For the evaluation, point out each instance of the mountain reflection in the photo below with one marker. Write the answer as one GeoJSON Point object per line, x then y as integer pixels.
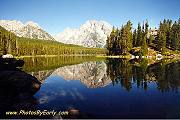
{"type": "Point", "coordinates": [92, 74]}
{"type": "Point", "coordinates": [42, 75]}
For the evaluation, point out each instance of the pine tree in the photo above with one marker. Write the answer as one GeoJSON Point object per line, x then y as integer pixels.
{"type": "Point", "coordinates": [110, 42]}
{"type": "Point", "coordinates": [113, 39]}
{"type": "Point", "coordinates": [109, 45]}
{"type": "Point", "coordinates": [144, 46]}
{"type": "Point", "coordinates": [146, 28]}
{"type": "Point", "coordinates": [162, 37]}
{"type": "Point", "coordinates": [126, 38]}
{"type": "Point", "coordinates": [123, 42]}
{"type": "Point", "coordinates": [168, 33]}
{"type": "Point", "coordinates": [116, 42]}
{"type": "Point", "coordinates": [175, 36]}
{"type": "Point", "coordinates": [129, 35]}
{"type": "Point", "coordinates": [134, 38]}
{"type": "Point", "coordinates": [1, 44]}
{"type": "Point", "coordinates": [139, 35]}
{"type": "Point", "coordinates": [151, 38]}
{"type": "Point", "coordinates": [4, 42]}
{"type": "Point", "coordinates": [144, 41]}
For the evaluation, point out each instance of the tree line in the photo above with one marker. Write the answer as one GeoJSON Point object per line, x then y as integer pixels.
{"type": "Point", "coordinates": [168, 35]}
{"type": "Point", "coordinates": [7, 42]}
{"type": "Point", "coordinates": [19, 46]}
{"type": "Point", "coordinates": [122, 40]}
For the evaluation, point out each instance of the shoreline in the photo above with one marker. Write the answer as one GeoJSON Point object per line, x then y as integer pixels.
{"type": "Point", "coordinates": [177, 56]}
{"type": "Point", "coordinates": [28, 56]}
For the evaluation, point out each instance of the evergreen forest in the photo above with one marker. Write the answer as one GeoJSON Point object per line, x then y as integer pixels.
{"type": "Point", "coordinates": [122, 40]}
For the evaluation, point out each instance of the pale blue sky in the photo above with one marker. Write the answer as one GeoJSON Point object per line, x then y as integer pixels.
{"type": "Point", "coordinates": [55, 15]}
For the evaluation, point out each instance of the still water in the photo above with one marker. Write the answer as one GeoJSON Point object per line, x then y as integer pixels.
{"type": "Point", "coordinates": [108, 88]}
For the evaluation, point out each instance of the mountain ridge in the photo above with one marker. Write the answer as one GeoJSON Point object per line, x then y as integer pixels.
{"type": "Point", "coordinates": [92, 33]}
{"type": "Point", "coordinates": [29, 29]}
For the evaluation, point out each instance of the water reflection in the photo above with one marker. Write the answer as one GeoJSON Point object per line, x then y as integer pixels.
{"type": "Point", "coordinates": [165, 75]}
{"type": "Point", "coordinates": [35, 64]}
{"type": "Point", "coordinates": [112, 88]}
{"type": "Point", "coordinates": [120, 71]}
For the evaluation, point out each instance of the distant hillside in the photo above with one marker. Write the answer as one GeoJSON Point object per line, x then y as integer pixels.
{"type": "Point", "coordinates": [20, 46]}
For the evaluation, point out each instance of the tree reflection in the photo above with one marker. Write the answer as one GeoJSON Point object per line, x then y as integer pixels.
{"type": "Point", "coordinates": [120, 71]}
{"type": "Point", "coordinates": [164, 74]}
{"type": "Point", "coordinates": [34, 64]}
{"type": "Point", "coordinates": [167, 75]}
{"type": "Point", "coordinates": [140, 74]}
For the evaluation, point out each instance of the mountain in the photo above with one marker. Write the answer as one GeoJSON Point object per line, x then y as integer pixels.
{"type": "Point", "coordinates": [92, 74]}
{"type": "Point", "coordinates": [28, 30]}
{"type": "Point", "coordinates": [91, 34]}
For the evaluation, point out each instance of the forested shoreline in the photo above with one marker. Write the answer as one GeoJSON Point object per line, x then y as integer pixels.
{"type": "Point", "coordinates": [19, 46]}
{"type": "Point", "coordinates": [122, 41]}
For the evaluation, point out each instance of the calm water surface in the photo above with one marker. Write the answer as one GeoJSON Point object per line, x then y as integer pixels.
{"type": "Point", "coordinates": [113, 88]}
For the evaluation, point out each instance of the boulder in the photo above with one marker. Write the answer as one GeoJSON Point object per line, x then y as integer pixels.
{"type": "Point", "coordinates": [18, 82]}
{"type": "Point", "coordinates": [16, 92]}
{"type": "Point", "coordinates": [7, 56]}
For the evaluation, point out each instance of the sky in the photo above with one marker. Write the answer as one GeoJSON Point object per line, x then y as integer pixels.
{"type": "Point", "coordinates": [56, 15]}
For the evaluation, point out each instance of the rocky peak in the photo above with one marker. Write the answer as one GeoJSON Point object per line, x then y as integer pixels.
{"type": "Point", "coordinates": [29, 30]}
{"type": "Point", "coordinates": [32, 24]}
{"type": "Point", "coordinates": [91, 34]}
{"type": "Point", "coordinates": [11, 25]}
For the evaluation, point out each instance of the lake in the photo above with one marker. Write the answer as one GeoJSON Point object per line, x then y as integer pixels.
{"type": "Point", "coordinates": [104, 88]}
